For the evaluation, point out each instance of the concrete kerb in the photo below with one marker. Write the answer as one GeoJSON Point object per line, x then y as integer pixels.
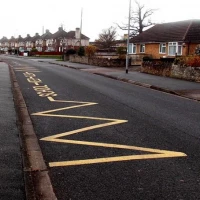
{"type": "Point", "coordinates": [37, 182]}
{"type": "Point", "coordinates": [132, 82]}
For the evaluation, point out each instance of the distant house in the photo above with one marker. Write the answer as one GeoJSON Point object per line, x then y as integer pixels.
{"type": "Point", "coordinates": [167, 40]}
{"type": "Point", "coordinates": [4, 44]}
{"type": "Point", "coordinates": [72, 39]}
{"type": "Point", "coordinates": [47, 41]}
{"type": "Point", "coordinates": [20, 44]}
{"type": "Point", "coordinates": [12, 43]}
{"type": "Point", "coordinates": [76, 38]}
{"type": "Point", "coordinates": [28, 41]}
{"type": "Point", "coordinates": [37, 42]}
{"type": "Point", "coordinates": [58, 42]}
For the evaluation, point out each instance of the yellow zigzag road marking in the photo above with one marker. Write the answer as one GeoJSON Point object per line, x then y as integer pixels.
{"type": "Point", "coordinates": [155, 153]}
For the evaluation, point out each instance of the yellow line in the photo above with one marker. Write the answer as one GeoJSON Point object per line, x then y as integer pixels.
{"type": "Point", "coordinates": [51, 138]}
{"type": "Point", "coordinates": [108, 145]}
{"type": "Point", "coordinates": [77, 117]}
{"type": "Point", "coordinates": [115, 159]}
{"type": "Point", "coordinates": [155, 153]}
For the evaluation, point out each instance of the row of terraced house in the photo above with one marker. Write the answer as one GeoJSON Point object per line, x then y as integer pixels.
{"type": "Point", "coordinates": [47, 42]}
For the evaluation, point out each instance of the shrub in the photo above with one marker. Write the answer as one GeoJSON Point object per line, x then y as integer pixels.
{"type": "Point", "coordinates": [81, 51]}
{"type": "Point", "coordinates": [121, 51]}
{"type": "Point", "coordinates": [193, 61]}
{"type": "Point", "coordinates": [34, 50]}
{"type": "Point", "coordinates": [71, 52]}
{"type": "Point", "coordinates": [90, 50]}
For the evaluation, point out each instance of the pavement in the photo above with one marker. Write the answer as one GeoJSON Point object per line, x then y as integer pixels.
{"type": "Point", "coordinates": [11, 171]}
{"type": "Point", "coordinates": [174, 86]}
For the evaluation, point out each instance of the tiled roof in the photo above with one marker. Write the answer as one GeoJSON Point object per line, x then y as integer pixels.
{"type": "Point", "coordinates": [170, 32]}
{"type": "Point", "coordinates": [193, 34]}
{"type": "Point", "coordinates": [4, 39]}
{"type": "Point", "coordinates": [20, 39]}
{"type": "Point", "coordinates": [28, 38]}
{"type": "Point", "coordinates": [71, 34]}
{"type": "Point", "coordinates": [47, 35]}
{"type": "Point", "coordinates": [12, 39]}
{"type": "Point", "coordinates": [36, 37]}
{"type": "Point", "coordinates": [59, 34]}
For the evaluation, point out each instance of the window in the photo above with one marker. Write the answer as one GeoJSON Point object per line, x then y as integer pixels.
{"type": "Point", "coordinates": [162, 48]}
{"type": "Point", "coordinates": [142, 48]}
{"type": "Point", "coordinates": [175, 47]}
{"type": "Point", "coordinates": [132, 48]}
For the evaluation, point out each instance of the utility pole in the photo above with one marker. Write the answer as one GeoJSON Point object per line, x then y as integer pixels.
{"type": "Point", "coordinates": [127, 54]}
{"type": "Point", "coordinates": [81, 25]}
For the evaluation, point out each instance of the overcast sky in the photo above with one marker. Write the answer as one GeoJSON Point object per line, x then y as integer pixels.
{"type": "Point", "coordinates": [22, 17]}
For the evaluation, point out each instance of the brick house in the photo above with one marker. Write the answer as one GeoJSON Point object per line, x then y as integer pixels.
{"type": "Point", "coordinates": [72, 39]}
{"type": "Point", "coordinates": [12, 44]}
{"type": "Point", "coordinates": [20, 44]}
{"type": "Point", "coordinates": [57, 42]}
{"type": "Point", "coordinates": [47, 41]}
{"type": "Point", "coordinates": [37, 42]}
{"type": "Point", "coordinates": [4, 44]}
{"type": "Point", "coordinates": [28, 42]}
{"type": "Point", "coordinates": [167, 40]}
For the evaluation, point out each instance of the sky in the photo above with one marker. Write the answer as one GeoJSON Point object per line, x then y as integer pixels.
{"type": "Point", "coordinates": [24, 17]}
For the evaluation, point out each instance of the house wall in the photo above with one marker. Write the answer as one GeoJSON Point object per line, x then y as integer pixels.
{"type": "Point", "coordinates": [192, 48]}
{"type": "Point", "coordinates": [153, 50]}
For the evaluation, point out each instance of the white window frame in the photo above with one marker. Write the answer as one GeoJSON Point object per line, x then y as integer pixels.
{"type": "Point", "coordinates": [177, 45]}
{"type": "Point", "coordinates": [162, 46]}
{"type": "Point", "coordinates": [142, 48]}
{"type": "Point", "coordinates": [133, 46]}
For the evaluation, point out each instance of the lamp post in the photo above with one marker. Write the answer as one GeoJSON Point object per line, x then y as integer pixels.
{"type": "Point", "coordinates": [127, 54]}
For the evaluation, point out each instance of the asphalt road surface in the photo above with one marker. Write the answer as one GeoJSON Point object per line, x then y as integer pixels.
{"type": "Point", "coordinates": [108, 140]}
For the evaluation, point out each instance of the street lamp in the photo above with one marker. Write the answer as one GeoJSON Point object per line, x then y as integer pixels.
{"type": "Point", "coordinates": [127, 54]}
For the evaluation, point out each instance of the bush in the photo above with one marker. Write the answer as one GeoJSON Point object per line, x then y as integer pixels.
{"type": "Point", "coordinates": [90, 50]}
{"type": "Point", "coordinates": [81, 51]}
{"type": "Point", "coordinates": [190, 61]}
{"type": "Point", "coordinates": [147, 58]}
{"type": "Point", "coordinates": [121, 51]}
{"type": "Point", "coordinates": [34, 50]}
{"type": "Point", "coordinates": [193, 61]}
{"type": "Point", "coordinates": [71, 52]}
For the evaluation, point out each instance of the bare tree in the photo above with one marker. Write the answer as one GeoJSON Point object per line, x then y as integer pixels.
{"type": "Point", "coordinates": [139, 20]}
{"type": "Point", "coordinates": [106, 38]}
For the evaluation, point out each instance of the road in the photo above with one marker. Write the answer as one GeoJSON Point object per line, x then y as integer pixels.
{"type": "Point", "coordinates": [106, 139]}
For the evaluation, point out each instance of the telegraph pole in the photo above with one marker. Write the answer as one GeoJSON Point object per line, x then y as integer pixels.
{"type": "Point", "coordinates": [127, 54]}
{"type": "Point", "coordinates": [81, 25]}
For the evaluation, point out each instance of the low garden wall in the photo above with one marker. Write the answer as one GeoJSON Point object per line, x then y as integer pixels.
{"type": "Point", "coordinates": [169, 69]}
{"type": "Point", "coordinates": [102, 62]}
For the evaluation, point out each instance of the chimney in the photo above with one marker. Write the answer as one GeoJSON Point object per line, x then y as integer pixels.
{"type": "Point", "coordinates": [47, 30]}
{"type": "Point", "coordinates": [125, 36]}
{"type": "Point", "coordinates": [60, 28]}
{"type": "Point", "coordinates": [77, 33]}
